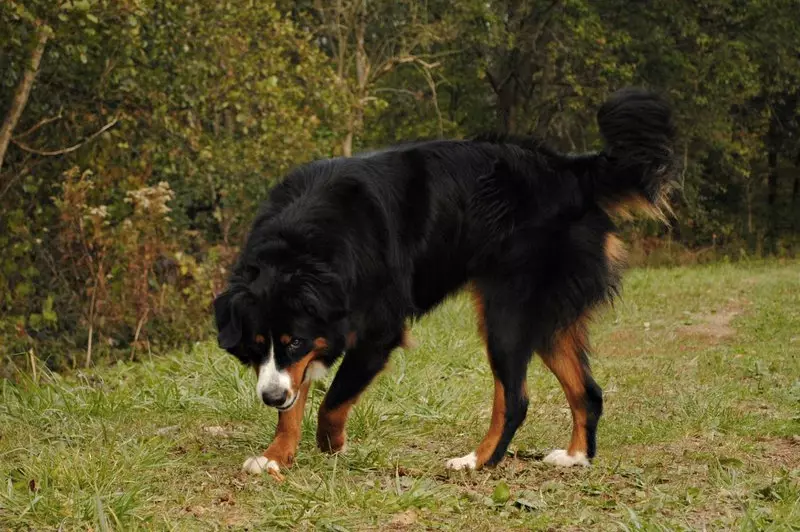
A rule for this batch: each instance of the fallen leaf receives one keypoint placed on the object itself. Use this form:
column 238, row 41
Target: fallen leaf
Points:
column 529, row 504
column 501, row 493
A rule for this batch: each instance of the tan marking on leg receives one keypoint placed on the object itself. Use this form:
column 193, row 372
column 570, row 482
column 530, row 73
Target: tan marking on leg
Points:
column 287, row 435
column 497, row 424
column 408, row 341
column 331, row 434
column 477, row 300
column 565, row 363
column 492, row 438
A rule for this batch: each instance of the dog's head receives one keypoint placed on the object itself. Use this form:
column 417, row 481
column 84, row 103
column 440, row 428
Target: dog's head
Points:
column 287, row 321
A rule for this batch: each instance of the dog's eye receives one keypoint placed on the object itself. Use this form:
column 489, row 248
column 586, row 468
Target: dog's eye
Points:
column 295, row 343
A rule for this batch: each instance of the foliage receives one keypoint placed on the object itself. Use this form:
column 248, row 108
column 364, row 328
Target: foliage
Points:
column 126, row 238
column 218, row 99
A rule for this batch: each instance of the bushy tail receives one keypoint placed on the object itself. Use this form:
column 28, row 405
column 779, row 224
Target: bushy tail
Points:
column 637, row 167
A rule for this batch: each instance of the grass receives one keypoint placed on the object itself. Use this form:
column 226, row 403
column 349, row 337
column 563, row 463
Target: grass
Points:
column 701, row 372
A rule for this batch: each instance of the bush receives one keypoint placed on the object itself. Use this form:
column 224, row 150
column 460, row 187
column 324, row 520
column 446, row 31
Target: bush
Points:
column 121, row 244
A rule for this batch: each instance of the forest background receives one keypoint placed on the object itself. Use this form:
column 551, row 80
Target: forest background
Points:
column 139, row 136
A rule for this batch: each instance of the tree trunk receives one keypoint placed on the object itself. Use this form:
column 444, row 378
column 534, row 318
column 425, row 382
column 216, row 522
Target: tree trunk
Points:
column 772, row 178
column 796, row 186
column 772, row 197
column 347, row 143
column 23, row 90
column 362, row 80
column 507, row 109
column 796, row 193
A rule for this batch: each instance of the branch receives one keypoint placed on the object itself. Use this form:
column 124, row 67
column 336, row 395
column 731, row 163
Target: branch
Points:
column 65, row 150
column 40, row 123
column 491, row 81
column 23, row 89
column 389, row 64
column 426, row 71
column 544, row 18
column 10, row 184
column 396, row 91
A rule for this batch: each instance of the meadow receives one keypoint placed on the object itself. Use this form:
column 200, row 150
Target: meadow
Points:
column 701, row 372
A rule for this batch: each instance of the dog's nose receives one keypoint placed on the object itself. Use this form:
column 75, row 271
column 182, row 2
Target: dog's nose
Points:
column 275, row 398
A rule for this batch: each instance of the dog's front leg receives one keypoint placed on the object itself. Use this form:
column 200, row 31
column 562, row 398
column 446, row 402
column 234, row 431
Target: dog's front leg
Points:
column 360, row 365
column 281, row 452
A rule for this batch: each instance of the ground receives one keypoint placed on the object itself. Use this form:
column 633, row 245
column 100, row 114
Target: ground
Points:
column 701, row 371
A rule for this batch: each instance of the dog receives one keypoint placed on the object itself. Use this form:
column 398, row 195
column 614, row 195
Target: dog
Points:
column 347, row 250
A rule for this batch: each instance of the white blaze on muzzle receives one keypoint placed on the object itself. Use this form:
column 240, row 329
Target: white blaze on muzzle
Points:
column 273, row 382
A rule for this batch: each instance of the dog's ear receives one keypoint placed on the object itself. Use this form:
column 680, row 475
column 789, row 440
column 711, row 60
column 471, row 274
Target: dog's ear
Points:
column 231, row 309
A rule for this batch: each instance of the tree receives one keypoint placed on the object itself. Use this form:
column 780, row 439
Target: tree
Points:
column 20, row 99
column 367, row 41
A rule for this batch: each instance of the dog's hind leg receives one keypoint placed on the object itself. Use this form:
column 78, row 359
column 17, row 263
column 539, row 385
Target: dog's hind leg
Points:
column 509, row 347
column 568, row 360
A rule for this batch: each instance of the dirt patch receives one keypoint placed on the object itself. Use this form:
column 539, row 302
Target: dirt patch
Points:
column 782, row 452
column 219, row 432
column 402, row 521
column 622, row 342
column 714, row 325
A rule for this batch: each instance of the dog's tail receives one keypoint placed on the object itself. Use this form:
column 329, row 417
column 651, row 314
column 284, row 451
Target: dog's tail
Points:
column 637, row 168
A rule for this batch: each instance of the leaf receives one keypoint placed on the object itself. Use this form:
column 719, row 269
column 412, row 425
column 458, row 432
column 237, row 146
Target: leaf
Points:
column 81, row 5
column 530, row 504
column 48, row 314
column 501, row 493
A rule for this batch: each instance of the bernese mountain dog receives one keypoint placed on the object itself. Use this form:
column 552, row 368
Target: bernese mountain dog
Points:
column 347, row 250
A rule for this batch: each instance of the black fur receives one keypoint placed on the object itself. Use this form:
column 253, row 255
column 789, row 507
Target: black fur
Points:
column 362, row 244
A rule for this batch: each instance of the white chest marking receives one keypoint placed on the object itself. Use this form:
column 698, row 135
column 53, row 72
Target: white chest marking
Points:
column 316, row 371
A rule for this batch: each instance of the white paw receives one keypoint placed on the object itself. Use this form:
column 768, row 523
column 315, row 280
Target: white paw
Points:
column 259, row 464
column 560, row 458
column 465, row 462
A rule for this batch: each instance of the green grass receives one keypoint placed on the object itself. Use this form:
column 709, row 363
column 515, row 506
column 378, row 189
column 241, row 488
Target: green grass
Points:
column 701, row 372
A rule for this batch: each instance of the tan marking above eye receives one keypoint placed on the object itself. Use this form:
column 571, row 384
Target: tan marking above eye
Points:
column 351, row 339
column 285, row 339
column 320, row 343
column 260, row 339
